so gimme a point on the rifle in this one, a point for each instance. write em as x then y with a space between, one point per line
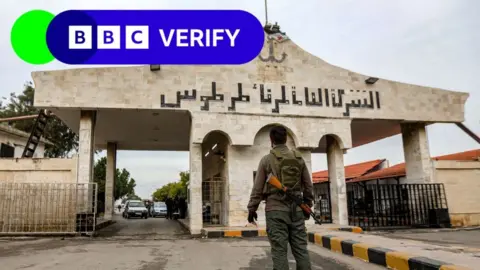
273 180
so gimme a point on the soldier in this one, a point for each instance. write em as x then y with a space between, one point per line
169 203
285 220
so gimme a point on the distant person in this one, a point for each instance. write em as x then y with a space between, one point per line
182 206
148 205
119 208
176 204
169 203
176 208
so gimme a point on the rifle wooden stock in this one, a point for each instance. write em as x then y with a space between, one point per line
273 180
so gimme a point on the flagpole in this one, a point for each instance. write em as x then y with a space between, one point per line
266 12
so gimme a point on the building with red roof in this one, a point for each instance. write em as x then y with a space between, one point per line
352 171
457 173
398 172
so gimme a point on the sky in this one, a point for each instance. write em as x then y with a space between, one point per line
430 42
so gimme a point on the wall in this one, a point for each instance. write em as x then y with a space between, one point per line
44 170
242 162
462 187
138 87
19 142
38 195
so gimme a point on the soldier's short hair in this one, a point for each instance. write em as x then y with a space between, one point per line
278 134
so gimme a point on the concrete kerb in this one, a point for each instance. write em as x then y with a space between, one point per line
233 233
378 255
33 235
104 224
245 233
184 224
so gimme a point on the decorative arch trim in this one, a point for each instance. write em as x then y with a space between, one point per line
290 131
217 131
336 137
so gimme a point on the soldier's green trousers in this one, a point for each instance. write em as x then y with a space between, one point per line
283 228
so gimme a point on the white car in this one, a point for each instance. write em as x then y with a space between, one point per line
135 209
159 209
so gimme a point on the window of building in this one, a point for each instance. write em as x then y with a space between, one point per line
7 151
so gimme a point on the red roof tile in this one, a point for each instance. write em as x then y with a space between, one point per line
394 171
399 169
351 171
463 156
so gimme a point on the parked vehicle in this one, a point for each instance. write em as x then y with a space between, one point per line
159 209
135 209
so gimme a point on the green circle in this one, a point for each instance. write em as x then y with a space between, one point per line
29 37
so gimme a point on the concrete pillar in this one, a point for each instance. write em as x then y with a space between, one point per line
336 175
417 154
86 151
195 188
110 181
86 146
242 161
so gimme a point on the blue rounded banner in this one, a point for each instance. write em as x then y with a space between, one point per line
141 37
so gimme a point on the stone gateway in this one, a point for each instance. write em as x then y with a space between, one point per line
222 115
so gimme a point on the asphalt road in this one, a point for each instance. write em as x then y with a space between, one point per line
130 244
151 228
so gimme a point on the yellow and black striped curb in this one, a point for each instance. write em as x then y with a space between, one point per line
349 229
260 232
233 233
378 255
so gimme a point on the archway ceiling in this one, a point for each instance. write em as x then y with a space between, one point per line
169 130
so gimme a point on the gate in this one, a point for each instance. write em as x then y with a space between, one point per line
323 210
47 208
397 205
212 201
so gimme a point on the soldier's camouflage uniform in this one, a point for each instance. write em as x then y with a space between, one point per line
285 222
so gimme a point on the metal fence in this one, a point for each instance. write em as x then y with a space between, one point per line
322 208
213 200
47 208
397 205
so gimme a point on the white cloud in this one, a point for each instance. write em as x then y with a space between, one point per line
428 42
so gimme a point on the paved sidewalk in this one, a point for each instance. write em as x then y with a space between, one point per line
452 255
464 238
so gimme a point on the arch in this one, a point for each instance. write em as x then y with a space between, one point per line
290 133
215 148
322 143
221 132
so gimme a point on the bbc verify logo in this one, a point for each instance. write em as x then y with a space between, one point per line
108 37
137 37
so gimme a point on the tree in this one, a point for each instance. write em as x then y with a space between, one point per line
63 138
165 191
173 189
185 181
124 185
